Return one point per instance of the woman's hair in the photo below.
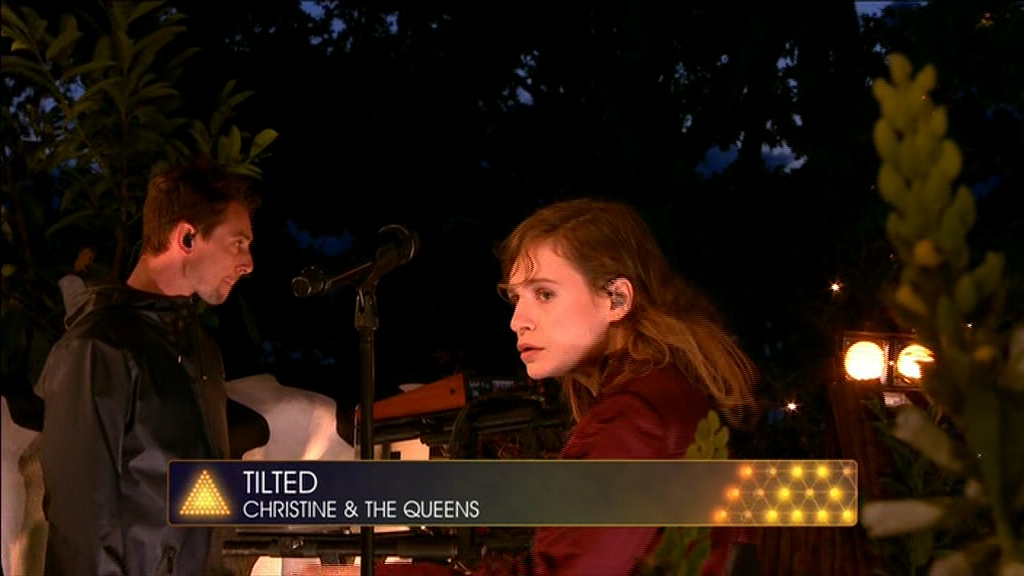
(670, 323)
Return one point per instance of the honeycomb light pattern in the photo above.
(791, 493)
(205, 499)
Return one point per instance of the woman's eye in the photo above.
(545, 295)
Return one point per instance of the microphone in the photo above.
(391, 253)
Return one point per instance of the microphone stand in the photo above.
(366, 323)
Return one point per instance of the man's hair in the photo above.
(197, 192)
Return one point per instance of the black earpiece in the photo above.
(187, 239)
(618, 300)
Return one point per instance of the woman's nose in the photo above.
(520, 320)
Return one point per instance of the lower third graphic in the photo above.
(204, 499)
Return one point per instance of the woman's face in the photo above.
(558, 320)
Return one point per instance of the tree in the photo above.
(82, 131)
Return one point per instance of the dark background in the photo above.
(412, 112)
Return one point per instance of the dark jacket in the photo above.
(134, 383)
(654, 417)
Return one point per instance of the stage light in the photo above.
(908, 363)
(864, 360)
(891, 361)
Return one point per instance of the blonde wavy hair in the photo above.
(670, 323)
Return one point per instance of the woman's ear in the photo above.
(620, 298)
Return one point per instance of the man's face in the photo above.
(217, 262)
(559, 320)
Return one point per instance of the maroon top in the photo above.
(653, 417)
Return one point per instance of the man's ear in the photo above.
(184, 237)
(620, 298)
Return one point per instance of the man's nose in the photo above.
(246, 265)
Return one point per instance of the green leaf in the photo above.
(917, 473)
(142, 9)
(10, 17)
(713, 421)
(176, 150)
(260, 142)
(175, 66)
(125, 50)
(69, 34)
(982, 429)
(168, 19)
(81, 106)
(25, 68)
(102, 87)
(202, 137)
(246, 170)
(92, 66)
(139, 75)
(229, 147)
(158, 90)
(921, 545)
(69, 220)
(722, 438)
(148, 115)
(228, 89)
(948, 321)
(36, 26)
(119, 15)
(698, 554)
(238, 99)
(696, 451)
(158, 39)
(893, 488)
(103, 51)
(236, 143)
(703, 430)
(989, 274)
(6, 227)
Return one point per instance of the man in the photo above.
(135, 382)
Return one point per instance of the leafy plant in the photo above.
(82, 131)
(977, 377)
(683, 550)
(911, 475)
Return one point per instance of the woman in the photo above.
(641, 355)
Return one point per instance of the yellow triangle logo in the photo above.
(205, 499)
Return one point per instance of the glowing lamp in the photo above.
(891, 360)
(908, 363)
(865, 360)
